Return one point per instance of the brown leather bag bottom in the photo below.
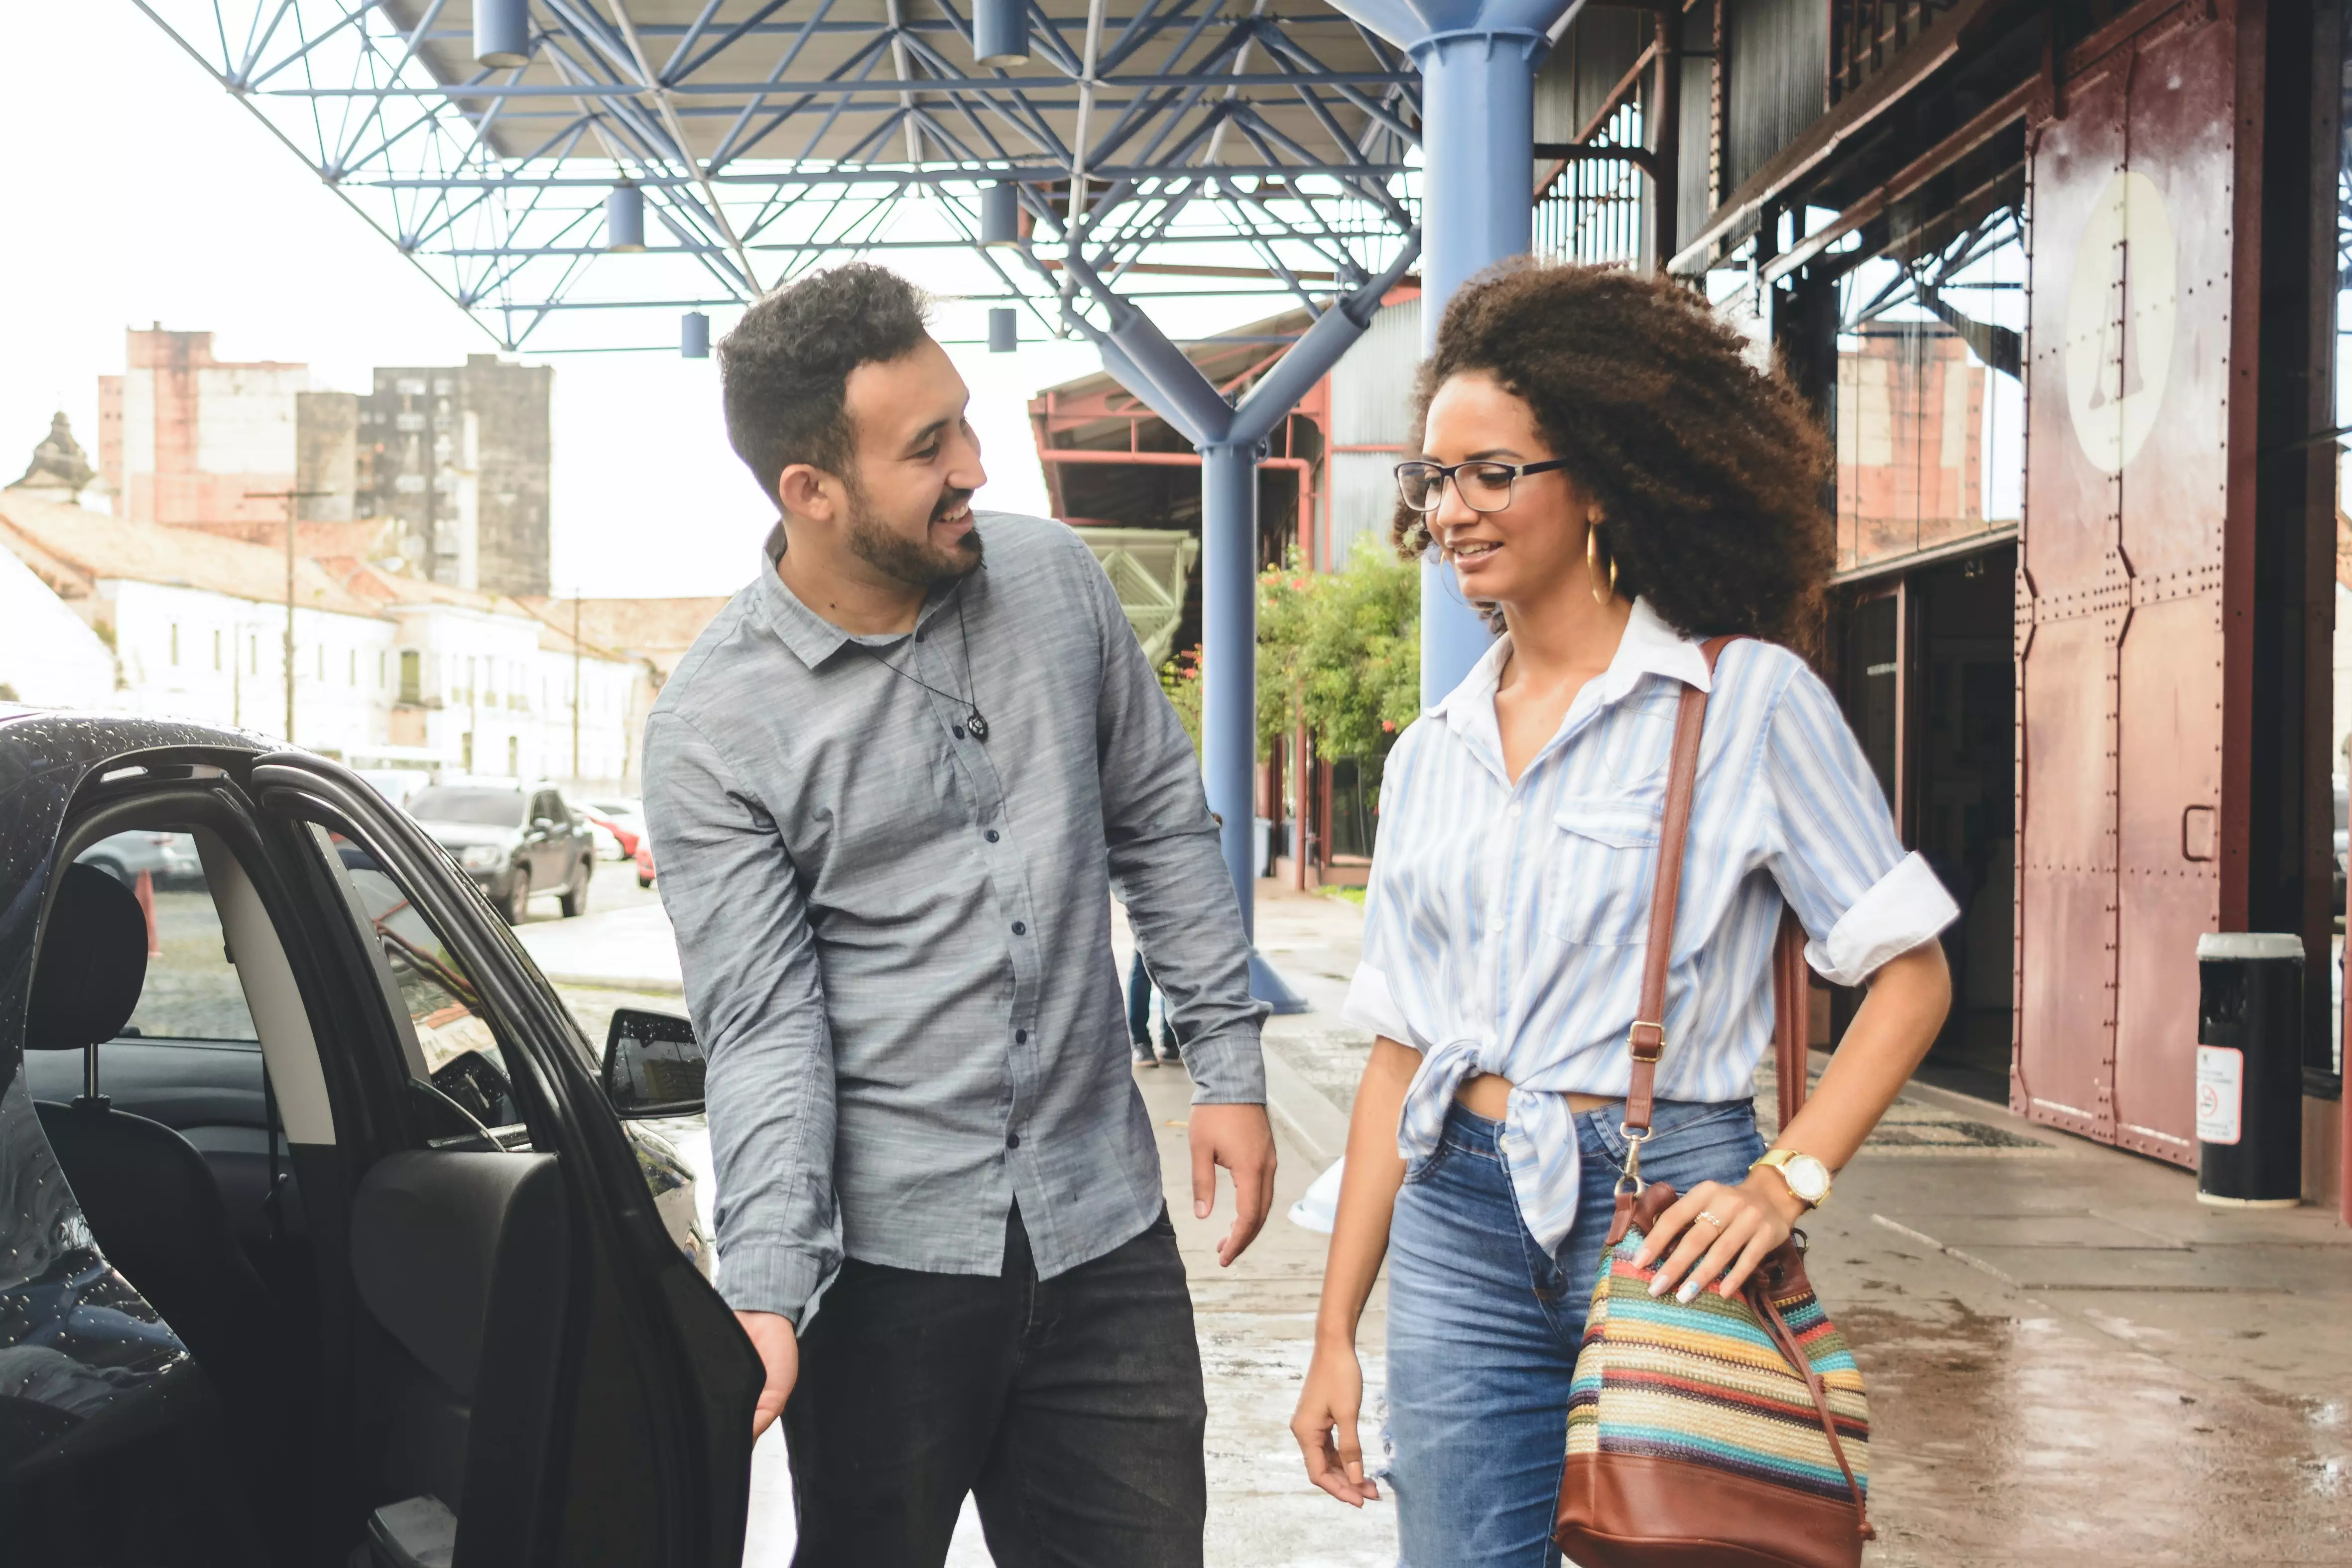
(1611, 1507)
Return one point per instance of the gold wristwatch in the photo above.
(1806, 1177)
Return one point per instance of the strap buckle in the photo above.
(1650, 1049)
(1629, 1182)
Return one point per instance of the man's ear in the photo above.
(803, 492)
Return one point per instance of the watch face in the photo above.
(1808, 1178)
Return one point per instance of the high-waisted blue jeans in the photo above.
(1483, 1327)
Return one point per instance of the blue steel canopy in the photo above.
(1161, 137)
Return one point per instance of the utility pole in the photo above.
(575, 684)
(290, 497)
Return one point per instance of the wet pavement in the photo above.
(2070, 1359)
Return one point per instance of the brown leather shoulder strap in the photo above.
(1792, 994)
(1647, 1041)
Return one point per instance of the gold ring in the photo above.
(1710, 1220)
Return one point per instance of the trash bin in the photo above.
(2250, 1068)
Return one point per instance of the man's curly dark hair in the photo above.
(784, 368)
(1708, 473)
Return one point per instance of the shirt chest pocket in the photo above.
(1601, 867)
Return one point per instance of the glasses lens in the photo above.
(1420, 483)
(1486, 487)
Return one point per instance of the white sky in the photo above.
(156, 197)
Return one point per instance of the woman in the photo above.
(1611, 479)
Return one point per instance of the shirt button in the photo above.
(1515, 808)
(1020, 1037)
(1012, 1140)
(991, 835)
(1018, 929)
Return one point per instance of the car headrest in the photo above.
(93, 964)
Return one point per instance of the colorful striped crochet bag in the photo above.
(1715, 1433)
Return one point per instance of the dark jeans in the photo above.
(1070, 1408)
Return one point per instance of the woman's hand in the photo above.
(1740, 1227)
(1324, 1425)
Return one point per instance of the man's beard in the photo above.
(916, 563)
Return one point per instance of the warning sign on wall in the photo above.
(2220, 1090)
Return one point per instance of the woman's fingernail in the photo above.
(1658, 1285)
(1200, 1211)
(1690, 1291)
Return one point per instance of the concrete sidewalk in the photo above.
(2071, 1360)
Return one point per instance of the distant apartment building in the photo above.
(460, 456)
(185, 438)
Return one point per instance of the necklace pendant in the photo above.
(976, 725)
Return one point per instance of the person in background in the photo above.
(1148, 1049)
(895, 784)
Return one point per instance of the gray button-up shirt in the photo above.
(896, 938)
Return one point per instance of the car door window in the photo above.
(192, 988)
(456, 1046)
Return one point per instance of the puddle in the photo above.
(2021, 1438)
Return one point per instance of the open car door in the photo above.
(558, 1383)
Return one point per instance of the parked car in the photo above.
(168, 859)
(620, 822)
(645, 860)
(511, 841)
(319, 1226)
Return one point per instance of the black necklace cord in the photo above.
(972, 721)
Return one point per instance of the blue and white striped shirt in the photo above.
(1506, 926)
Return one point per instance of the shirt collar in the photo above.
(812, 638)
(1647, 647)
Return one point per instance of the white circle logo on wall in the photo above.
(2119, 317)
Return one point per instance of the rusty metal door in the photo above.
(2120, 629)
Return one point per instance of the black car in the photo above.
(363, 1267)
(512, 840)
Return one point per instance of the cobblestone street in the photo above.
(2070, 1359)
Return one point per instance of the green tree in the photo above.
(1340, 652)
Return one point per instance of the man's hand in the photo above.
(1241, 1139)
(780, 1352)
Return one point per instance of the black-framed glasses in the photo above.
(1484, 486)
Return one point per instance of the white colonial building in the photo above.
(130, 616)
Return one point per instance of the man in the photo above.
(895, 785)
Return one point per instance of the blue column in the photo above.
(1229, 653)
(1477, 61)
(1477, 125)
(1228, 439)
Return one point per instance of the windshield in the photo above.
(476, 808)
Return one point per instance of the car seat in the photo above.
(152, 1202)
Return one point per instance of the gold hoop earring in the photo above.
(1600, 595)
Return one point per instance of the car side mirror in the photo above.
(542, 824)
(652, 1065)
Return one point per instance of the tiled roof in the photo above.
(52, 537)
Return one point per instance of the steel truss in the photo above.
(762, 135)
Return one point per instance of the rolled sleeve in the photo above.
(1834, 853)
(754, 989)
(1166, 867)
(1903, 909)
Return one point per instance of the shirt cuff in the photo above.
(1227, 1068)
(758, 1275)
(1371, 1007)
(1903, 910)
